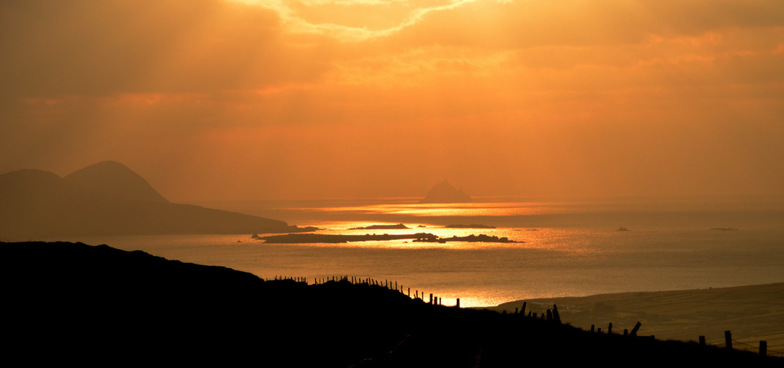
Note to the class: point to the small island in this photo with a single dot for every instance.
(471, 226)
(342, 238)
(381, 227)
(444, 192)
(481, 238)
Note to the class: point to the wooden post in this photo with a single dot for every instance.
(609, 329)
(592, 326)
(763, 348)
(728, 339)
(516, 311)
(635, 329)
(522, 311)
(549, 315)
(556, 315)
(431, 298)
(458, 303)
(409, 292)
(702, 340)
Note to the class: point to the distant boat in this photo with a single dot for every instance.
(622, 229)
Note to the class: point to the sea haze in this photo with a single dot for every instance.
(561, 248)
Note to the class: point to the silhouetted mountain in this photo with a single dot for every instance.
(444, 192)
(74, 303)
(108, 199)
(116, 180)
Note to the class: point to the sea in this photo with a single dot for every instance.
(560, 248)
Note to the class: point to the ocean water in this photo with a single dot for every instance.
(562, 248)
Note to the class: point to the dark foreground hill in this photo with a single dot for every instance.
(108, 199)
(70, 302)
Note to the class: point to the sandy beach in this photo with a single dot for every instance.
(751, 313)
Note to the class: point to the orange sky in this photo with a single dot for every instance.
(256, 99)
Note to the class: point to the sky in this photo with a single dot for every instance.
(285, 99)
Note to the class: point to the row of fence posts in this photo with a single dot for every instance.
(392, 285)
(763, 345)
(550, 315)
(626, 332)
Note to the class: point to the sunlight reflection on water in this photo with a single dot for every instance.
(459, 209)
(553, 258)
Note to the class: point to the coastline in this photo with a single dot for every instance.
(752, 313)
(113, 297)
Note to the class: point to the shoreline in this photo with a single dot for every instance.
(752, 313)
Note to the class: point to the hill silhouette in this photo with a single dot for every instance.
(444, 192)
(113, 179)
(71, 302)
(108, 199)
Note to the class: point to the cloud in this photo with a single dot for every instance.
(85, 47)
(383, 97)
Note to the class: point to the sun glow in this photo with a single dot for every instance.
(457, 210)
(354, 20)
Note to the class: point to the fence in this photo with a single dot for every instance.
(391, 285)
(550, 315)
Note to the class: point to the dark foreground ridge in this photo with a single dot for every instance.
(71, 302)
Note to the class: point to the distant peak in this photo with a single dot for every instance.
(444, 192)
(116, 180)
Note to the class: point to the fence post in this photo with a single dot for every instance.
(763, 348)
(522, 311)
(634, 330)
(609, 329)
(431, 298)
(458, 303)
(728, 339)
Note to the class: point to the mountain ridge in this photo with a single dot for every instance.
(108, 199)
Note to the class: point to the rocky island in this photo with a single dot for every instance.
(471, 226)
(444, 192)
(381, 227)
(342, 238)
